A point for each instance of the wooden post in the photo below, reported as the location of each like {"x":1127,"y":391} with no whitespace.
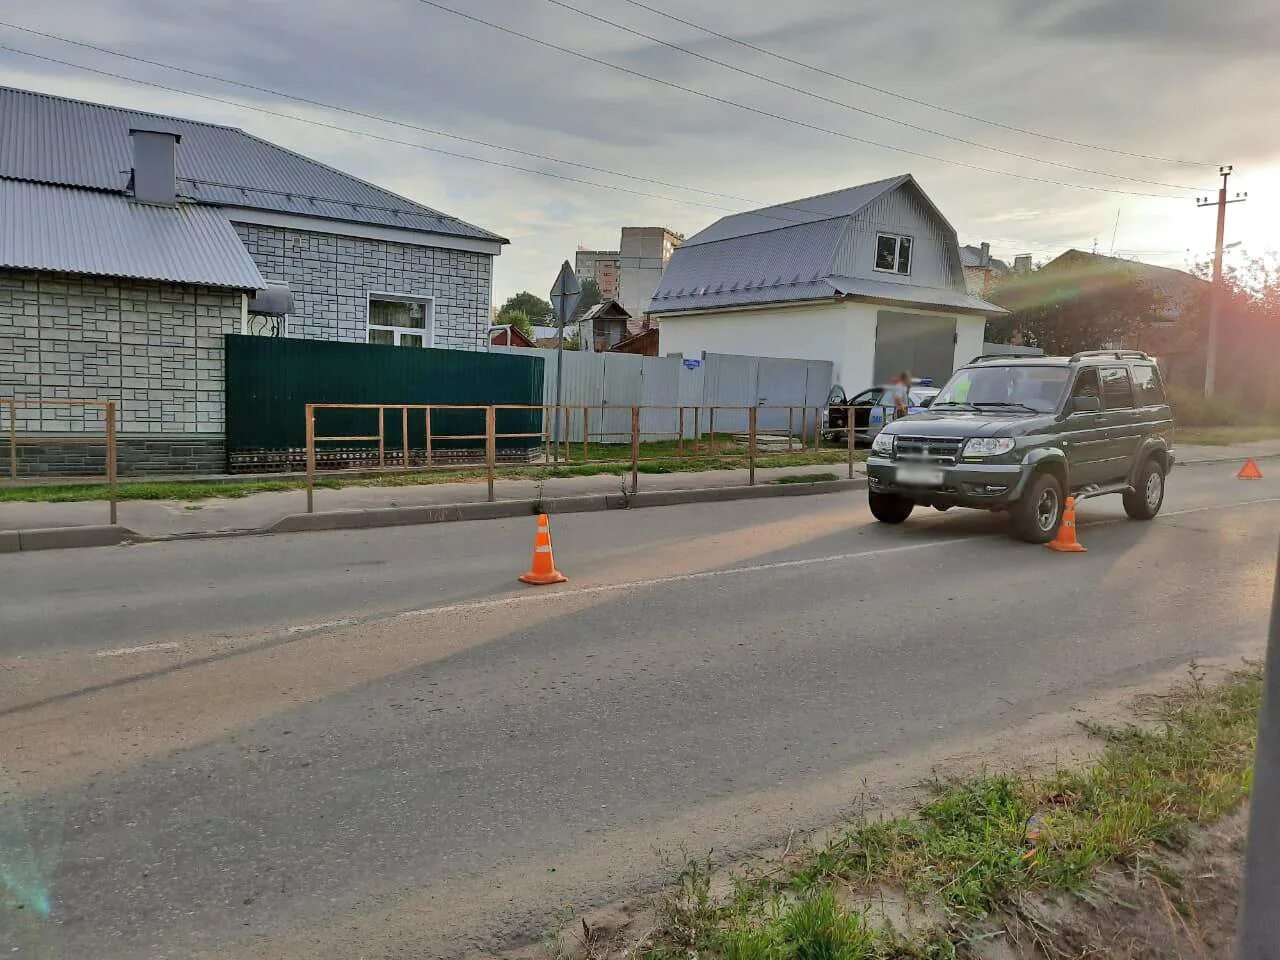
{"x":711,"y":431}
{"x":111,"y":457}
{"x":751,"y":447}
{"x":586,"y":434}
{"x":817,"y":428}
{"x":382,"y":443}
{"x":849,"y":437}
{"x":680,"y":431}
{"x":490,"y":445}
{"x":564,"y":434}
{"x":404,"y":438}
{"x":13,"y":439}
{"x":791,"y":425}
{"x":697,"y":429}
{"x":635,"y":449}
{"x":428,"y":437}
{"x":311,"y":459}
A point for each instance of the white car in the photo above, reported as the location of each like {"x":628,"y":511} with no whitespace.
{"x":873,"y":408}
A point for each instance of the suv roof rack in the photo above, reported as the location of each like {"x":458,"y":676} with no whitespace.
{"x":980,"y":358}
{"x":1116,"y":354}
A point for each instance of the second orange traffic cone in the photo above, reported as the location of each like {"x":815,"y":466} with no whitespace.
{"x":1249,"y":471}
{"x":544,"y":570}
{"x":1065,"y":541}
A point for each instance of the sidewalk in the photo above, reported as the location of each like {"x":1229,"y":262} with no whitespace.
{"x":256,"y":512}
{"x":1243,"y":451}
{"x":169,"y":518}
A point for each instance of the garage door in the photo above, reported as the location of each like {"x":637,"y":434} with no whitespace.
{"x":924,"y":345}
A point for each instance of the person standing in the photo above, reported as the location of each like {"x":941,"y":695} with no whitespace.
{"x":901,"y":395}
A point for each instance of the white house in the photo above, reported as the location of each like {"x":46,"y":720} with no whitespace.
{"x":869,"y":277}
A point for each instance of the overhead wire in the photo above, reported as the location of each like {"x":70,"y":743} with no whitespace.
{"x":915,"y":100}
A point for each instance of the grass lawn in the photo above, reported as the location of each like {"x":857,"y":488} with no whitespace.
{"x":975,"y":851}
{"x":615,"y":459}
{"x":1227,"y":436}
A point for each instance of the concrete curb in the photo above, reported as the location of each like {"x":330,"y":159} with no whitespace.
{"x":586,"y":503}
{"x":57,"y":538}
{"x":62,"y":538}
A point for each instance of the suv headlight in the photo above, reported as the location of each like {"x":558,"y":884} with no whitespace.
{"x":987,"y":446}
{"x":883,"y":443}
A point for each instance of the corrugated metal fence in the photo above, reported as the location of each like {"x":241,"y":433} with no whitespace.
{"x":609,"y":384}
{"x":269,"y":380}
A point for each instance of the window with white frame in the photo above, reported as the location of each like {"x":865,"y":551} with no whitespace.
{"x":893,"y":253}
{"x":401,"y":321}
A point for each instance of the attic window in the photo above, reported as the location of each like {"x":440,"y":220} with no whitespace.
{"x":893,"y":253}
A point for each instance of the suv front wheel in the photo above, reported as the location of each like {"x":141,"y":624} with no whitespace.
{"x":1143,"y":502}
{"x":1037,"y":516}
{"x":889,"y":507}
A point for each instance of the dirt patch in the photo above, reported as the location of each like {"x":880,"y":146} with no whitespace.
{"x":1179,"y":905}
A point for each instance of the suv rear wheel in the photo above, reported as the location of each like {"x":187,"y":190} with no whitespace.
{"x":889,"y":507}
{"x":1037,"y":516}
{"x":1144,"y":501}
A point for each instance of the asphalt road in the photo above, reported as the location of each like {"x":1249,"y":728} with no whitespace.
{"x":373,"y":743}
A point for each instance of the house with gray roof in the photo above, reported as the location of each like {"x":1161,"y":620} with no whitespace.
{"x":131,"y":242}
{"x":869,"y":277}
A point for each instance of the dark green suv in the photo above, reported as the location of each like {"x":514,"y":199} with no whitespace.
{"x":1019,"y":434}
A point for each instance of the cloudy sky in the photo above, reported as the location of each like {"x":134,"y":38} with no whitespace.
{"x":1176,"y":79}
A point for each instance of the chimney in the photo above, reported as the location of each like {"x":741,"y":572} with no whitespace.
{"x":155,"y":176}
{"x":985,"y":258}
{"x":1022,"y":263}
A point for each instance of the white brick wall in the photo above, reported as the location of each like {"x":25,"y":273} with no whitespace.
{"x":332,"y":276}
{"x":156,"y":349}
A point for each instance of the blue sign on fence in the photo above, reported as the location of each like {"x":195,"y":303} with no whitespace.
{"x":692,"y":364}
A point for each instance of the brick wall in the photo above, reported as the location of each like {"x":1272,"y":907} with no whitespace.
{"x":331,"y":276}
{"x":154,"y":348}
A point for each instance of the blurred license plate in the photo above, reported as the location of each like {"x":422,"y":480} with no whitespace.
{"x":920,"y":476}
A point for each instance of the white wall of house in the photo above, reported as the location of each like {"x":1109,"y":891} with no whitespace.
{"x":844,"y":333}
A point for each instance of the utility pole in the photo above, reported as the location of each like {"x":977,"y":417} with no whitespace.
{"x":1216,"y":291}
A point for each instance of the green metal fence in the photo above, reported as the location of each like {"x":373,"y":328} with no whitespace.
{"x":269,"y":381}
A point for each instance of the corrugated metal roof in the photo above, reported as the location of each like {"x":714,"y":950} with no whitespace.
{"x":45,"y":227}
{"x":740,"y":269}
{"x":48,"y":139}
{"x":911,"y":294}
{"x":839,"y":203}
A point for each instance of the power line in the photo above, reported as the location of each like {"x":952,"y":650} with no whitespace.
{"x":777,"y":116}
{"x":393,"y":140}
{"x":923,"y":103}
{"x":360,"y":113}
{"x":361,"y":133}
{"x":849,"y":106}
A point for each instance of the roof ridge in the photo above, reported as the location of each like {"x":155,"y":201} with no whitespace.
{"x":118,"y":109}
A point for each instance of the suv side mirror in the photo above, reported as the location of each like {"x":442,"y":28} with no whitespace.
{"x":1085,"y":404}
{"x":927,"y":402}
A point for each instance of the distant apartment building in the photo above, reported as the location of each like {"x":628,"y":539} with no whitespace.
{"x":602,"y":266}
{"x":645,"y":252}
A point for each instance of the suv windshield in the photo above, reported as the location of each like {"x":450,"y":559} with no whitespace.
{"x":1032,"y":388}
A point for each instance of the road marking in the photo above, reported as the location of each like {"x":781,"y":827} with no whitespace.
{"x":532,"y":596}
{"x":145,"y":648}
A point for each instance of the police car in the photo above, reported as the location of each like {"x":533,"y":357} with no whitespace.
{"x":873,"y":408}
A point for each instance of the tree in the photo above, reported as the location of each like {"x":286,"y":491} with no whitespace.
{"x":535,"y":309}
{"x":590,"y":297}
{"x":517,"y":319}
{"x":1075,"y":303}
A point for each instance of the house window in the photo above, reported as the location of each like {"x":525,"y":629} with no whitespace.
{"x":893,"y":253}
{"x":401,"y":321}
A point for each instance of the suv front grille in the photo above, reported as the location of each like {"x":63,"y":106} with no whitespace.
{"x":929,"y":449}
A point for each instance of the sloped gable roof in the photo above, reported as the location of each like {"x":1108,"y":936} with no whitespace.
{"x":54,"y":140}
{"x":785,"y":253}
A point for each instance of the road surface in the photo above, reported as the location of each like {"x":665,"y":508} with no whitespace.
{"x":375,"y":743}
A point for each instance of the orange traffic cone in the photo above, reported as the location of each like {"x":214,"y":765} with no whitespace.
{"x":1065,"y":541}
{"x":1249,"y":471}
{"x":544,"y":569}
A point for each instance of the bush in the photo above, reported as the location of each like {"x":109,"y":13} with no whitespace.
{"x":1192,"y":409}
